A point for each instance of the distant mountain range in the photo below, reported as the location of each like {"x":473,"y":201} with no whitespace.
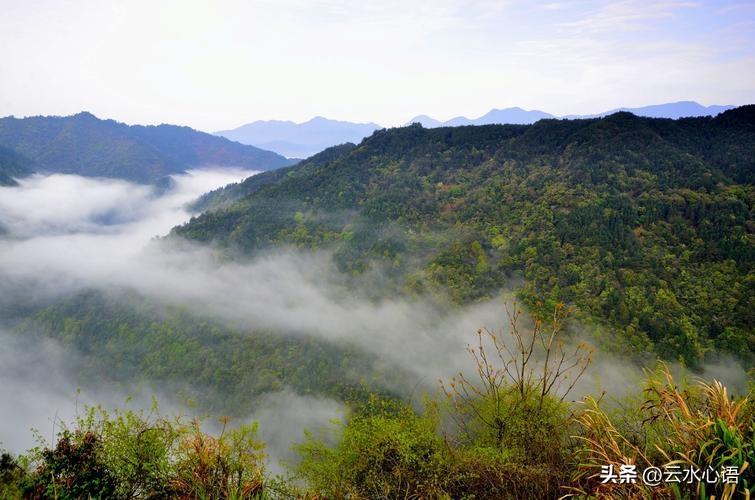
{"x":515,"y":116}
{"x":299,"y":140}
{"x":521,"y":116}
{"x":675,"y":110}
{"x":86,"y":145}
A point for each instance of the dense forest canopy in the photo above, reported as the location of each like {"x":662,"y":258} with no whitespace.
{"x":634,"y":233}
{"x":646,"y":225}
{"x":124,"y":339}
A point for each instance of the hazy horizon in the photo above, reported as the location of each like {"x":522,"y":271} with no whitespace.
{"x":220,"y":66}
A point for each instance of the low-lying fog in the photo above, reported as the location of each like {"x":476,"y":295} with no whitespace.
{"x":61,"y":233}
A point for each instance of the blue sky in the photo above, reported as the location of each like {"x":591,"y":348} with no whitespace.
{"x":216,"y":65}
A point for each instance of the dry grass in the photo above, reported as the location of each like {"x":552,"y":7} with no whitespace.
{"x":701,"y":426}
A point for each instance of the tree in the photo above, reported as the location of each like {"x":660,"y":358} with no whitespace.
{"x":528,"y":372}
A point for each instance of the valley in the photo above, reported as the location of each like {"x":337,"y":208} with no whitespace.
{"x":356,"y":277}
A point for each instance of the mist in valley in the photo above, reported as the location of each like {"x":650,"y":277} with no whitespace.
{"x":62,"y":234}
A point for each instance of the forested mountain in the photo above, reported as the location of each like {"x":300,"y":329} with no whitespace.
{"x":646,"y":225}
{"x":12,"y":166}
{"x":125,"y":338}
{"x":227,"y":195}
{"x":85,"y":145}
{"x":299,"y":140}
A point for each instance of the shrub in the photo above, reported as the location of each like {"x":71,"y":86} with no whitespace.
{"x":699,"y":426}
{"x":384,"y":450}
{"x":135,"y":454}
{"x":73,"y":469}
{"x":480,"y":474}
{"x":228,"y":466}
{"x":11,"y":475}
{"x":513,"y":429}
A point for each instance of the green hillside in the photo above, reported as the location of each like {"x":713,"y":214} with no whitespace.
{"x":85,"y":145}
{"x":646,"y":225}
{"x":127,"y":340}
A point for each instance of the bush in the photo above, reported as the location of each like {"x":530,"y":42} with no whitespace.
{"x":512,"y":438}
{"x":135,"y":454}
{"x":384,"y":450}
{"x":699,"y":426}
{"x":11,"y":475}
{"x":73,"y":469}
{"x":482,"y":474}
{"x":228,"y":466}
{"x":531,"y":432}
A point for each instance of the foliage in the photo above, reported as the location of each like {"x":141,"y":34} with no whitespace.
{"x":126,"y":338}
{"x":136,"y":448}
{"x":73,"y":469}
{"x":560,"y":364}
{"x":517,"y":437}
{"x":512,"y":440}
{"x":11,"y":475}
{"x":385,"y":450}
{"x":510,"y":403}
{"x":228,"y":466}
{"x":646,"y":225}
{"x":700,"y":426}
{"x":133,"y":454}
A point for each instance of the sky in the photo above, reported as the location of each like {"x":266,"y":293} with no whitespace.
{"x":217,"y":65}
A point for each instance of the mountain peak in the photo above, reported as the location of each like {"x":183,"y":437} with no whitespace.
{"x":86,"y":115}
{"x":300,"y":140}
{"x":521,"y":116}
{"x":425,"y":121}
{"x":512,"y":115}
{"x":674,"y":110}
{"x":75,"y":144}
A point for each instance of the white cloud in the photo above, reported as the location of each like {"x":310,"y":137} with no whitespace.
{"x":284,"y":291}
{"x":55,"y":246}
{"x":39,"y":378}
{"x":54,"y":238}
{"x":626,"y":15}
{"x":217,"y":65}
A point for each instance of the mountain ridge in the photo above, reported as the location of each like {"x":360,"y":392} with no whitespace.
{"x":299,"y":140}
{"x":673,"y":110}
{"x":517,"y":115}
{"x":514,"y":115}
{"x":633,"y":220}
{"x":86,"y":145}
